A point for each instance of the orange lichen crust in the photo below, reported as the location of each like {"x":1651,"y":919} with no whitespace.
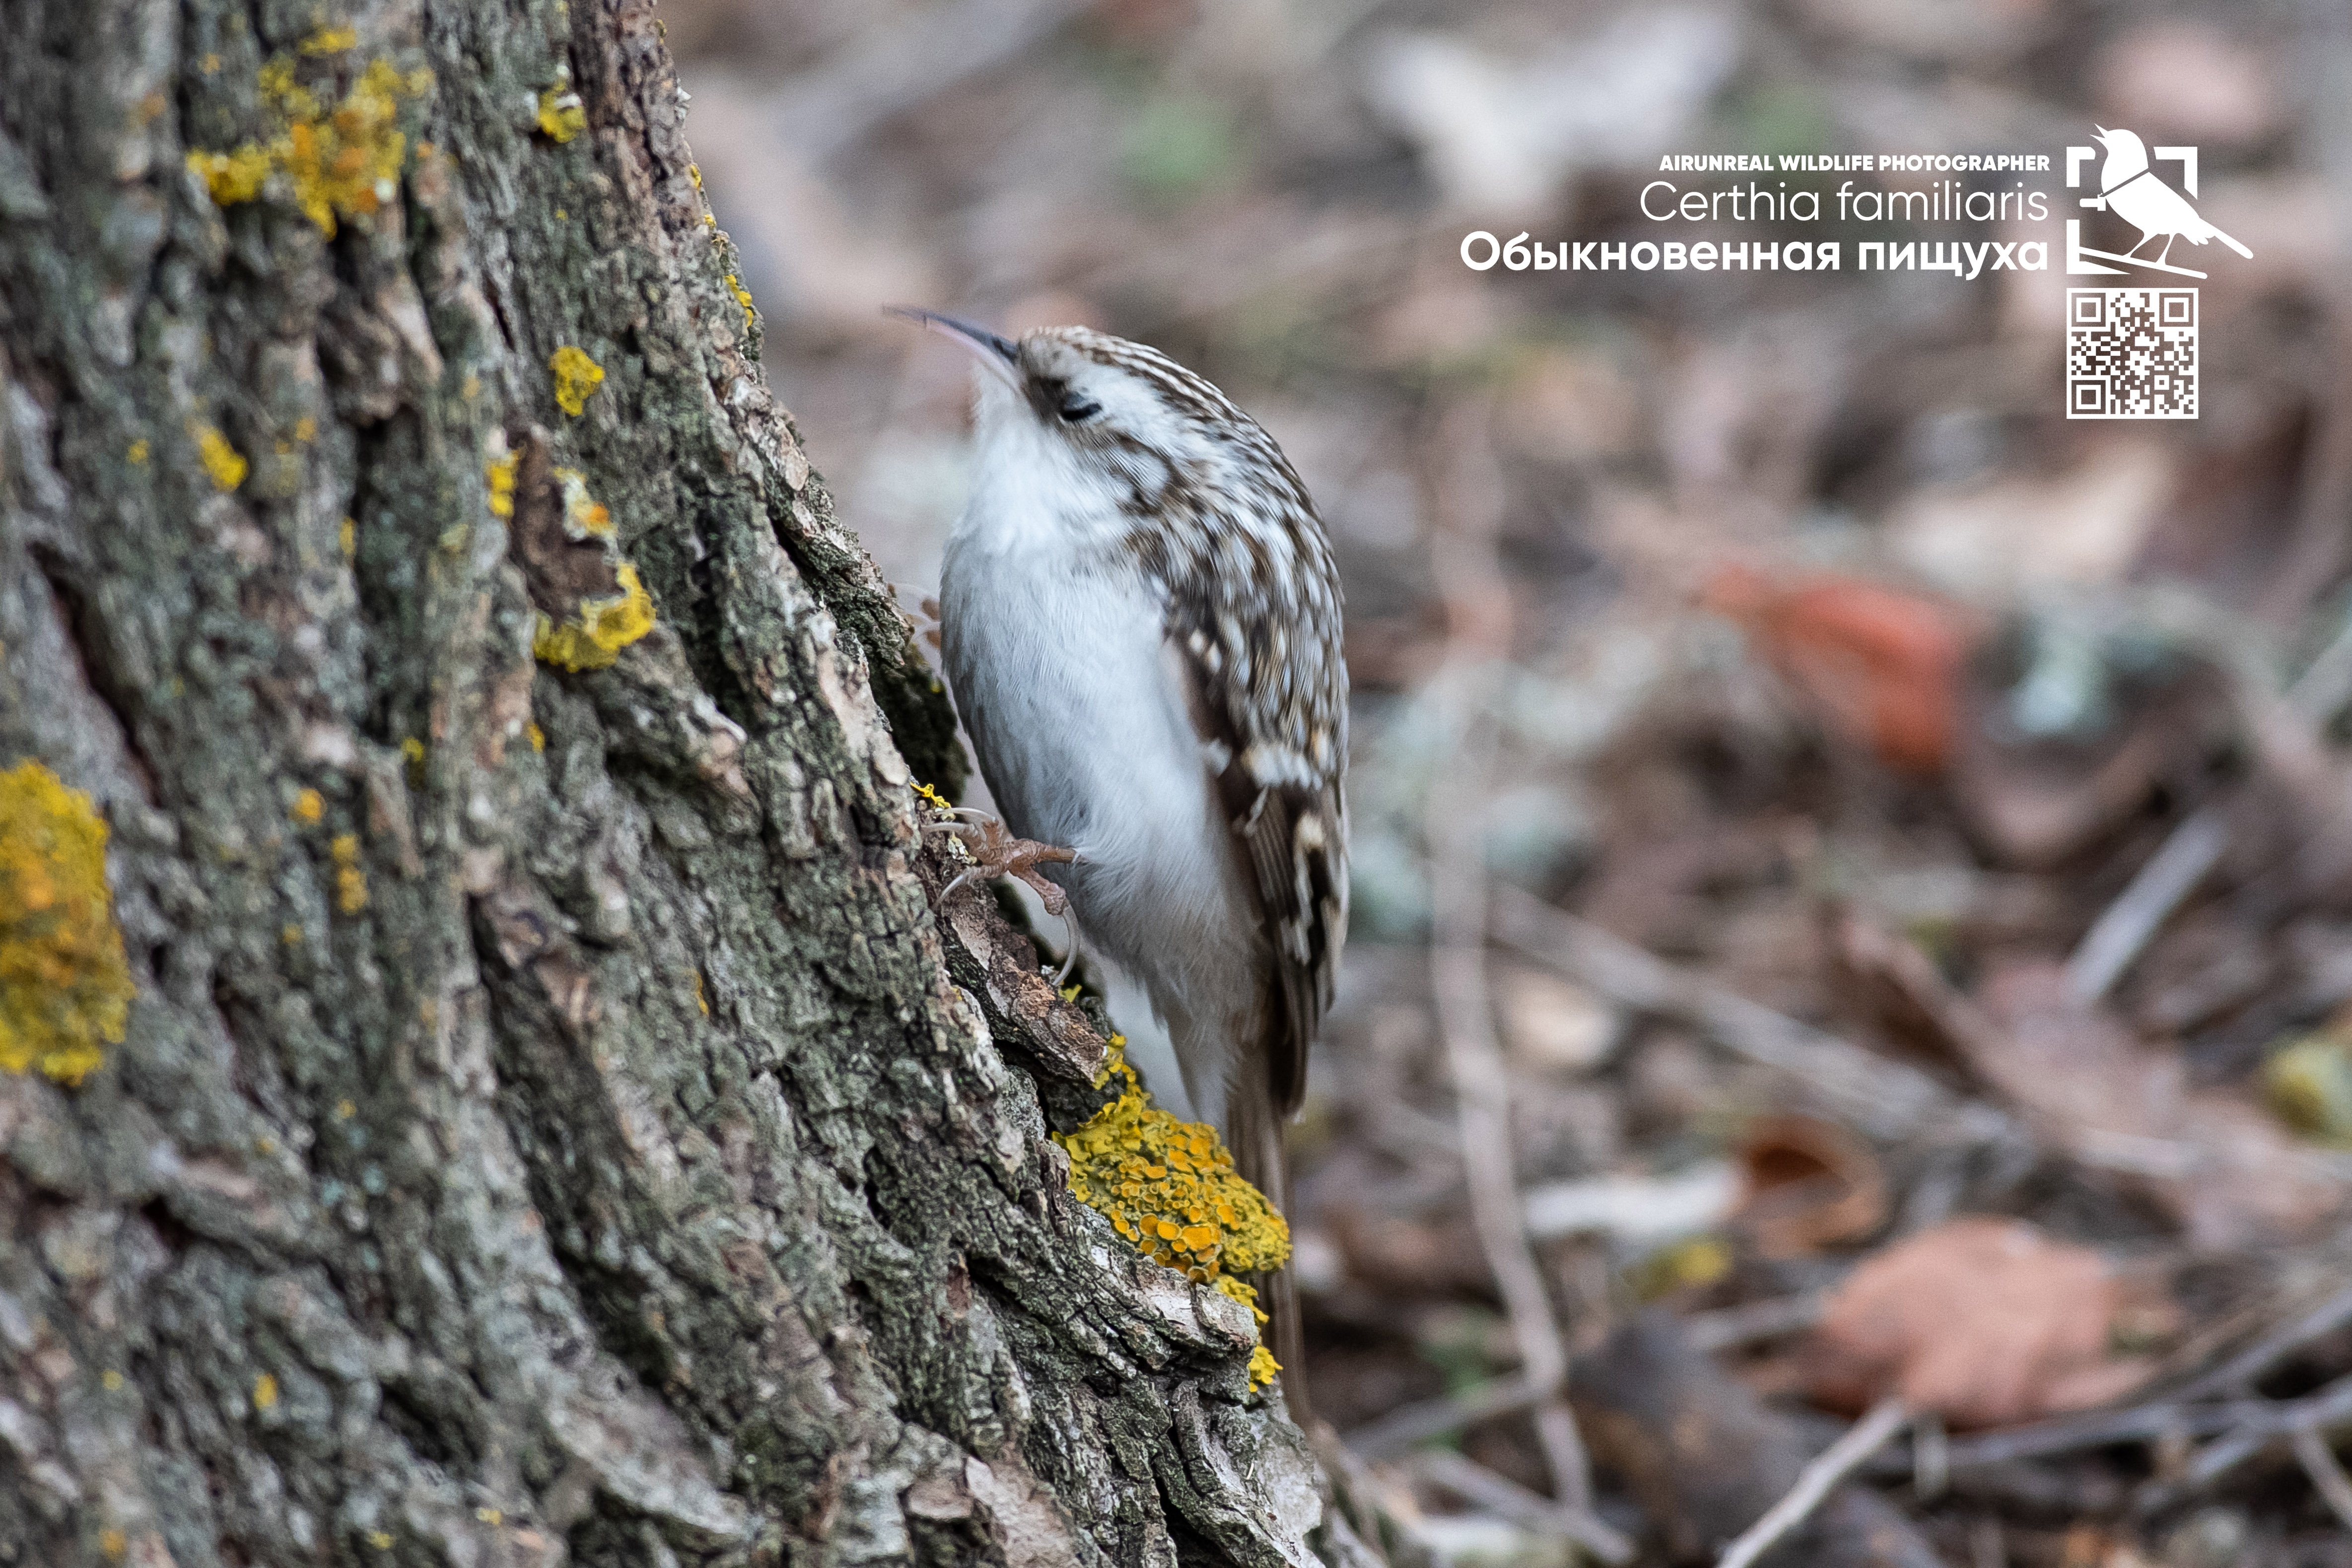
{"x":343,"y":162}
{"x":1170,"y":1187}
{"x":65,"y":989}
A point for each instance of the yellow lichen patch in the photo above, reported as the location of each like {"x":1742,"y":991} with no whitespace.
{"x":1170,"y":1187}
{"x":2308,"y":1081}
{"x":700,"y":1001}
{"x":380,"y":1539}
{"x":576,"y":377}
{"x":350,"y":882}
{"x":347,"y":536}
{"x":234,"y":176}
{"x":743,"y":295}
{"x":308,"y":807}
{"x":339,"y":162}
{"x":585,"y":518}
{"x":561,"y":115}
{"x":593,"y":638}
{"x":1689,"y":1264}
{"x":224,"y":464}
{"x":63,"y":985}
{"x":501,"y":477}
{"x":113,"y":1543}
{"x":536,"y":736}
{"x":265,"y":1392}
{"x":283,"y":92}
{"x":138,"y":452}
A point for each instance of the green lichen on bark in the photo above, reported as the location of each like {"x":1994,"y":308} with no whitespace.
{"x":547,"y":1128}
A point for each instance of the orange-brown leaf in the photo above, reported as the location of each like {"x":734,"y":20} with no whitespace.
{"x":1985,"y":1321}
{"x":1882,"y":663}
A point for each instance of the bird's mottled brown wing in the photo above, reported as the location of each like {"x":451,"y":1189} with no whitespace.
{"x":1291,"y":840}
{"x":1253,"y":612}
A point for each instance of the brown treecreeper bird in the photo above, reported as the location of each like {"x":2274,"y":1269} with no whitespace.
{"x":1140,"y":618}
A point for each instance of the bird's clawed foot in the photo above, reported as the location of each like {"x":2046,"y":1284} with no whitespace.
{"x":996,"y":853}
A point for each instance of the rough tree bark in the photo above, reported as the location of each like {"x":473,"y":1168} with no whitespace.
{"x":547,"y":1126}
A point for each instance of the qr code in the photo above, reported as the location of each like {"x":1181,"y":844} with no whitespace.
{"x":2131,"y":353}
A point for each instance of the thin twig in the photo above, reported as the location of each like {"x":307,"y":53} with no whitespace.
{"x":1410,"y":1426}
{"x":2196,"y":845}
{"x":2240,"y":1370}
{"x":1473,"y":1482}
{"x":2320,"y":693}
{"x":2324,"y":1408}
{"x":2267,"y":1421}
{"x":1931,"y":1457}
{"x":1731,"y":1327}
{"x":1407,"y":1426}
{"x":2126,"y":925}
{"x":1882,"y":1098}
{"x":1861,"y":1440}
{"x":2241,"y":1425}
{"x":2138,"y":1424}
{"x":1482,"y":1100}
{"x":2327,"y":1472}
{"x":1464,"y":693}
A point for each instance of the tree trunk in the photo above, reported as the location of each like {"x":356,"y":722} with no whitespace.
{"x":546,"y":1126}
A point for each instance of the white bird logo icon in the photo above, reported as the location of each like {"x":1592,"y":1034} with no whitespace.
{"x":2129,"y":186}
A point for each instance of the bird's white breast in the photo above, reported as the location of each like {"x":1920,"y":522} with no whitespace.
{"x":1055,"y":642}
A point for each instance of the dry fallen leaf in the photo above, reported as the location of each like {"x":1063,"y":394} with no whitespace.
{"x":1984,"y":1322}
{"x":1808,"y":1184}
{"x":1880,"y":663}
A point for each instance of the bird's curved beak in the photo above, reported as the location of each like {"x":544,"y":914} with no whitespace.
{"x":997,"y":353}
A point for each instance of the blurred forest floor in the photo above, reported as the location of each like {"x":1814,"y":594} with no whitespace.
{"x":1863,"y":863}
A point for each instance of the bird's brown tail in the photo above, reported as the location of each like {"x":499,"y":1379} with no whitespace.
{"x":1257,"y":1141}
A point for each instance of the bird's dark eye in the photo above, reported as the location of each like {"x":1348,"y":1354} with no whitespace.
{"x":1077,"y":408}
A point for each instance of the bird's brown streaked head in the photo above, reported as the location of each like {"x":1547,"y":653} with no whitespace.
{"x":1089,"y":391}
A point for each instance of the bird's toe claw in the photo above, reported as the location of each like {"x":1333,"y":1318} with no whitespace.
{"x":999,"y":853}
